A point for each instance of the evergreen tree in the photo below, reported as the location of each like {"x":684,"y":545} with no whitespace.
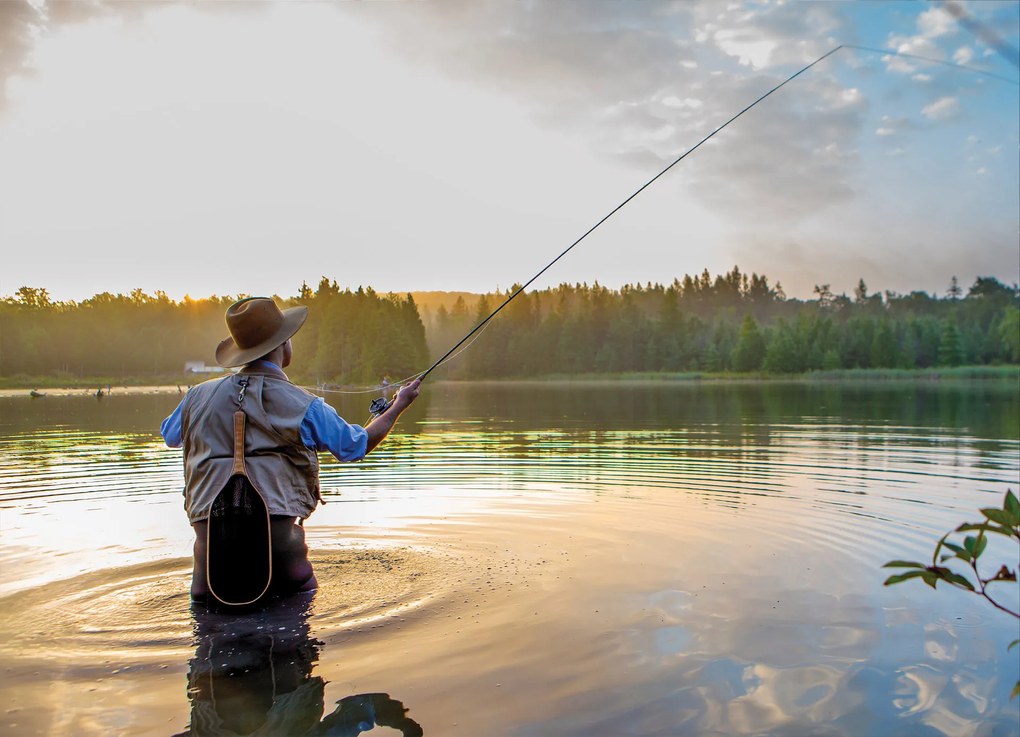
{"x":884,"y":353}
{"x":749,"y":352}
{"x":950,"y":352}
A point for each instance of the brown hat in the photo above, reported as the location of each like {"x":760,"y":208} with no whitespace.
{"x":256,"y":327}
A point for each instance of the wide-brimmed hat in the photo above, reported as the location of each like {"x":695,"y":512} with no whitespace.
{"x":257,"y":326}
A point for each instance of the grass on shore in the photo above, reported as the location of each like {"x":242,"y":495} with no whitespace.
{"x":67,"y":381}
{"x":946,"y":373}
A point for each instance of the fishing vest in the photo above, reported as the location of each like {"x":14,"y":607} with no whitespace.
{"x":275,"y":458}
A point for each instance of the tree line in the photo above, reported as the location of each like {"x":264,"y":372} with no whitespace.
{"x":351,"y":336}
{"x":733,"y":322}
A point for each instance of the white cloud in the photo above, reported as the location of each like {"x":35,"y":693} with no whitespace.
{"x":914,"y":45}
{"x":935,"y":22}
{"x":747,"y":45}
{"x":582,"y":101}
{"x":963,"y":55}
{"x":942,"y":108}
{"x":688,"y":102}
{"x":892,"y":125}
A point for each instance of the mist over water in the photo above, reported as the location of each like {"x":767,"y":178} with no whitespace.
{"x":538,"y":559}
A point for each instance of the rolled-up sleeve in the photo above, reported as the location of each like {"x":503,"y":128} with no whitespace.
{"x":171,"y":428}
{"x":323,"y":429}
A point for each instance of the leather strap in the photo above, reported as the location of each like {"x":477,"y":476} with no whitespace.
{"x":238,"y":444}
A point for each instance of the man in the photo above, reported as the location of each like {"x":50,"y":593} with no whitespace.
{"x":281,"y":428}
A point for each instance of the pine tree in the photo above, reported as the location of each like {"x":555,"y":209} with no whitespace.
{"x":950,"y":350}
{"x":750,"y":349}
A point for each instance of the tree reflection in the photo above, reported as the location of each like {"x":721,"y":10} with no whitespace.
{"x":252,"y":676}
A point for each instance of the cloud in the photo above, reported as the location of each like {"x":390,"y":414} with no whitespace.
{"x":632,"y":78}
{"x":963,"y":55}
{"x":19,"y":24}
{"x":942,"y":108}
{"x":24,"y":22}
{"x":933,"y":23}
{"x":891,"y":125}
{"x":769,"y":35}
{"x":936,"y":22}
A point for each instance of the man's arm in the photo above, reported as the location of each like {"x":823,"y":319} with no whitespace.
{"x":380,"y":427}
{"x":324,"y":430}
{"x":171,"y":428}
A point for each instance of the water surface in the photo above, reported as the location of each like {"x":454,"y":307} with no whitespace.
{"x":536,"y":560}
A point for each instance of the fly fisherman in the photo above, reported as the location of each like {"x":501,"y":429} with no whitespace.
{"x":251,"y":473}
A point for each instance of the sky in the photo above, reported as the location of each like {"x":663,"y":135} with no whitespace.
{"x":245,"y":148}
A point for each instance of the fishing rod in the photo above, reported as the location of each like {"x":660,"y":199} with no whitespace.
{"x":619,"y":207}
{"x":380,"y":405}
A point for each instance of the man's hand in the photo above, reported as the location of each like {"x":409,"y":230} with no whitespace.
{"x":407,"y":394}
{"x":379,"y":427}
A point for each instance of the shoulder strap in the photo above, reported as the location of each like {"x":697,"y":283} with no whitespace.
{"x":239,"y":445}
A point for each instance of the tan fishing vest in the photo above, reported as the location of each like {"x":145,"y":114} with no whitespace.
{"x":276,"y":460}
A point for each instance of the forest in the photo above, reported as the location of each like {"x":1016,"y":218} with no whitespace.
{"x":350,"y":336}
{"x":733,"y":322}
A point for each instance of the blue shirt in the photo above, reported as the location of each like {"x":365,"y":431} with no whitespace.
{"x":321,"y":429}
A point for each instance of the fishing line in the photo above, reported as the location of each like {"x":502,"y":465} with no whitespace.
{"x":391,"y":385}
{"x":453,"y":352}
{"x":683,"y":156}
{"x":930,"y":60}
{"x":619,"y":207}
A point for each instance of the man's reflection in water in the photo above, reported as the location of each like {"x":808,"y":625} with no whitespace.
{"x":252,"y":675}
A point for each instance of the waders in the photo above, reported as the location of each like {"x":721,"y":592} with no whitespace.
{"x":239,"y":562}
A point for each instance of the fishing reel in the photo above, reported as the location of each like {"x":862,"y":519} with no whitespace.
{"x":379,"y":406}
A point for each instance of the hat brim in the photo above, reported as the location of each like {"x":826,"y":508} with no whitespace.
{"x":229,"y":354}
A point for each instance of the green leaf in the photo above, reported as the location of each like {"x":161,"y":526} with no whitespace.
{"x":998,"y":515}
{"x":901,"y":577}
{"x":1012,"y":645}
{"x":975,"y":545}
{"x":1016,"y":691}
{"x":957,"y":579}
{"x":968,"y":526}
{"x":929,"y":577}
{"x":987,"y":527}
{"x":960,"y":552}
{"x":1012,"y":507}
{"x":903,"y":564}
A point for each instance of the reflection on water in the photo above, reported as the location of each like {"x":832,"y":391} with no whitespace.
{"x":252,"y":675}
{"x":528,"y":561}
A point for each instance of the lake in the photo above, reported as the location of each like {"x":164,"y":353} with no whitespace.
{"x":529,"y":560}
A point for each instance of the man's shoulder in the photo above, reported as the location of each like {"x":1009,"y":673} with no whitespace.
{"x":284,"y":390}
{"x":207,"y":386}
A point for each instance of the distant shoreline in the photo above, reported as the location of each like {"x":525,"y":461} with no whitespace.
{"x":57,"y":386}
{"x":79,"y":391}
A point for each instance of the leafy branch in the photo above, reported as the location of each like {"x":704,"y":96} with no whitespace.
{"x":1005,"y":522}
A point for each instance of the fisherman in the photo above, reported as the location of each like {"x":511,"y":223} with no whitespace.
{"x":283,"y":426}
